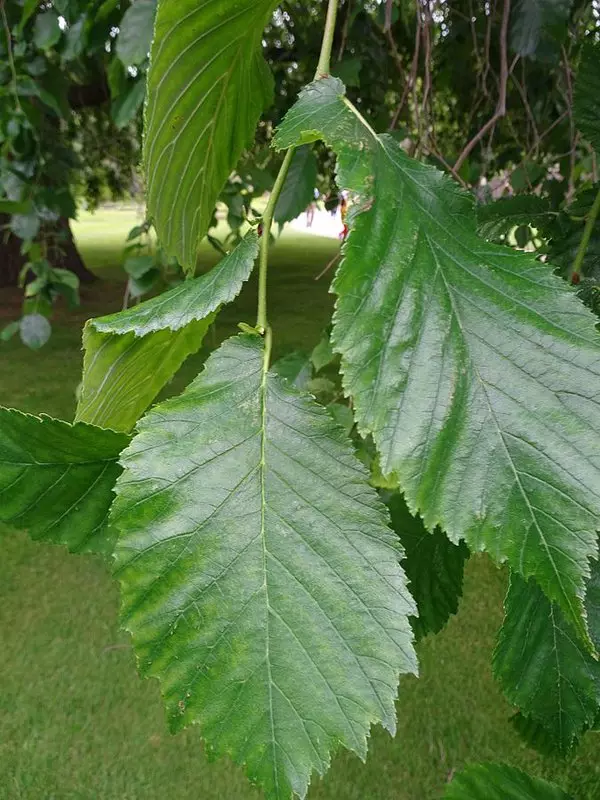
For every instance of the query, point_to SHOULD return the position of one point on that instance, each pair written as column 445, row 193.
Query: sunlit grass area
column 76, row 722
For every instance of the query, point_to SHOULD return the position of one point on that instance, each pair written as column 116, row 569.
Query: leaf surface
column 135, row 32
column 192, row 300
column 433, row 565
column 500, row 782
column 543, row 667
column 132, row 355
column 265, row 594
column 476, row 370
column 56, row 479
column 299, row 187
column 207, row 86
column 587, row 94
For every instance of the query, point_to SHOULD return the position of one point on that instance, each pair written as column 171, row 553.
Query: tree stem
column 323, row 67
column 267, row 222
column 585, row 239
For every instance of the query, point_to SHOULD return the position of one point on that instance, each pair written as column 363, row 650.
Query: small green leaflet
column 434, row 567
column 130, row 356
column 207, row 86
column 135, row 32
column 299, row 187
column 56, row 479
column 542, row 665
column 500, row 782
column 476, row 370
column 266, row 594
column 587, row 94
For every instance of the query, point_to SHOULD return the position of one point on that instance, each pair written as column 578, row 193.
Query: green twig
column 585, row 240
column 267, row 222
column 327, row 45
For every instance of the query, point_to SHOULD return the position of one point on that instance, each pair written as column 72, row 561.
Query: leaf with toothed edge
column 207, row 86
column 476, row 370
column 433, row 565
column 542, row 666
column 57, row 479
column 267, row 596
column 490, row 781
column 131, row 356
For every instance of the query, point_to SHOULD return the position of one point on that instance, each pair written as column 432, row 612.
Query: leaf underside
column 266, row 595
column 542, row 665
column 56, row 480
column 207, row 86
column 131, row 356
column 476, row 370
column 298, row 189
column 500, row 782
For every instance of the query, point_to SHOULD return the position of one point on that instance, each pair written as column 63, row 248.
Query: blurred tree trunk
column 11, row 259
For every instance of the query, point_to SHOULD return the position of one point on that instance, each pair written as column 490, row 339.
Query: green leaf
column 35, row 330
column 56, row 479
column 323, row 353
column 15, row 207
column 126, row 106
column 500, row 217
column 587, row 94
column 543, row 667
column 29, row 9
column 135, row 32
column 500, row 782
column 537, row 27
column 75, row 39
column 299, row 187
column 192, row 300
column 265, row 593
column 46, row 30
column 476, row 370
column 122, row 374
column 138, row 266
column 10, row 330
column 130, row 356
column 342, row 415
column 433, row 565
column 207, row 86
column 296, row 368
column 25, row 226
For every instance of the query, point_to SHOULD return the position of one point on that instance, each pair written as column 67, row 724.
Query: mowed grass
column 76, row 722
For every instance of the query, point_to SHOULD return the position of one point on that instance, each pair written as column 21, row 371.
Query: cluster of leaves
column 60, row 61
column 265, row 542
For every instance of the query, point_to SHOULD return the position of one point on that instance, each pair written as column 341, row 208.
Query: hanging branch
column 412, row 78
column 501, row 106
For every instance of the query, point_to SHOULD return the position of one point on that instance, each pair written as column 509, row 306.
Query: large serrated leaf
column 207, row 86
column 265, row 594
column 56, row 479
column 500, row 782
column 433, row 565
column 543, row 667
column 476, row 370
column 132, row 355
column 587, row 94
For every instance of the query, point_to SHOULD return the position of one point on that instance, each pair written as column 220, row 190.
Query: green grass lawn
column 76, row 722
